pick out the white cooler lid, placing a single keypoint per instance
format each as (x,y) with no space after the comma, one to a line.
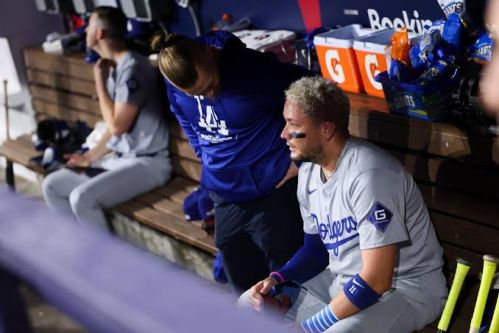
(262,39)
(342,37)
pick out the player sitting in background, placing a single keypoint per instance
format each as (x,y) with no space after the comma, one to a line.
(364,217)
(129,93)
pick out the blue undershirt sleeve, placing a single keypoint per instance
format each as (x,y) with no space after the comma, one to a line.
(311,259)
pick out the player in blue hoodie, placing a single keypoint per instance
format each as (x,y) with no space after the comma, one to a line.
(229,100)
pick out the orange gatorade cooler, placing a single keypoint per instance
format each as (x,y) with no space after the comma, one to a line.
(373,56)
(337,56)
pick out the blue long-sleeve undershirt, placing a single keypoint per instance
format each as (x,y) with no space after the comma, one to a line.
(311,259)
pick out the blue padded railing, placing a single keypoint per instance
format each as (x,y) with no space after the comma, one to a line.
(103,282)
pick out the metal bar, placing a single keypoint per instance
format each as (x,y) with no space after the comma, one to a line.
(9,175)
(9,169)
(108,285)
(6,106)
(13,315)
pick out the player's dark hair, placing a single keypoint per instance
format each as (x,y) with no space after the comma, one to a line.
(113,21)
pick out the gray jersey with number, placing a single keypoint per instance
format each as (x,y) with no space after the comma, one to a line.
(369,202)
(135,81)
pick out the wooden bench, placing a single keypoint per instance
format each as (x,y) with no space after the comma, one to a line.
(457,173)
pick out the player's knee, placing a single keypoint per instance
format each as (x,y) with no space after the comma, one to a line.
(47,187)
(80,200)
(50,184)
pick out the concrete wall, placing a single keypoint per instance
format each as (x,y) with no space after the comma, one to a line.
(301,15)
(160,244)
(22,25)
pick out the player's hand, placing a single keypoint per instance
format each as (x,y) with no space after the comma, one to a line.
(102,67)
(77,160)
(292,172)
(258,290)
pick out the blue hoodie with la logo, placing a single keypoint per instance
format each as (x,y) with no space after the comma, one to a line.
(237,133)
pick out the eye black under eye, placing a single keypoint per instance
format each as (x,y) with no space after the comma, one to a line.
(297,135)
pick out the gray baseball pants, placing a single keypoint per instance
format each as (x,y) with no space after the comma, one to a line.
(409,306)
(78,195)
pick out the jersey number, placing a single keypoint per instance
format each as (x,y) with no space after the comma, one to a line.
(209,119)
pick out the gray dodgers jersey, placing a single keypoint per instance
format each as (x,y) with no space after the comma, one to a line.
(369,202)
(136,82)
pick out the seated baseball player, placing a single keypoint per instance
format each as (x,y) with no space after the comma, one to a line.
(364,217)
(132,156)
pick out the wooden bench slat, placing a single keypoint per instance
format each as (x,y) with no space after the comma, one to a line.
(161,203)
(16,156)
(367,103)
(25,141)
(171,207)
(178,185)
(177,197)
(46,109)
(69,65)
(471,236)
(62,82)
(434,138)
(23,145)
(18,151)
(467,206)
(177,190)
(186,168)
(175,128)
(13,154)
(182,148)
(64,99)
(482,180)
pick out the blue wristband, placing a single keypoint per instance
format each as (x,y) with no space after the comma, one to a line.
(319,322)
(359,293)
